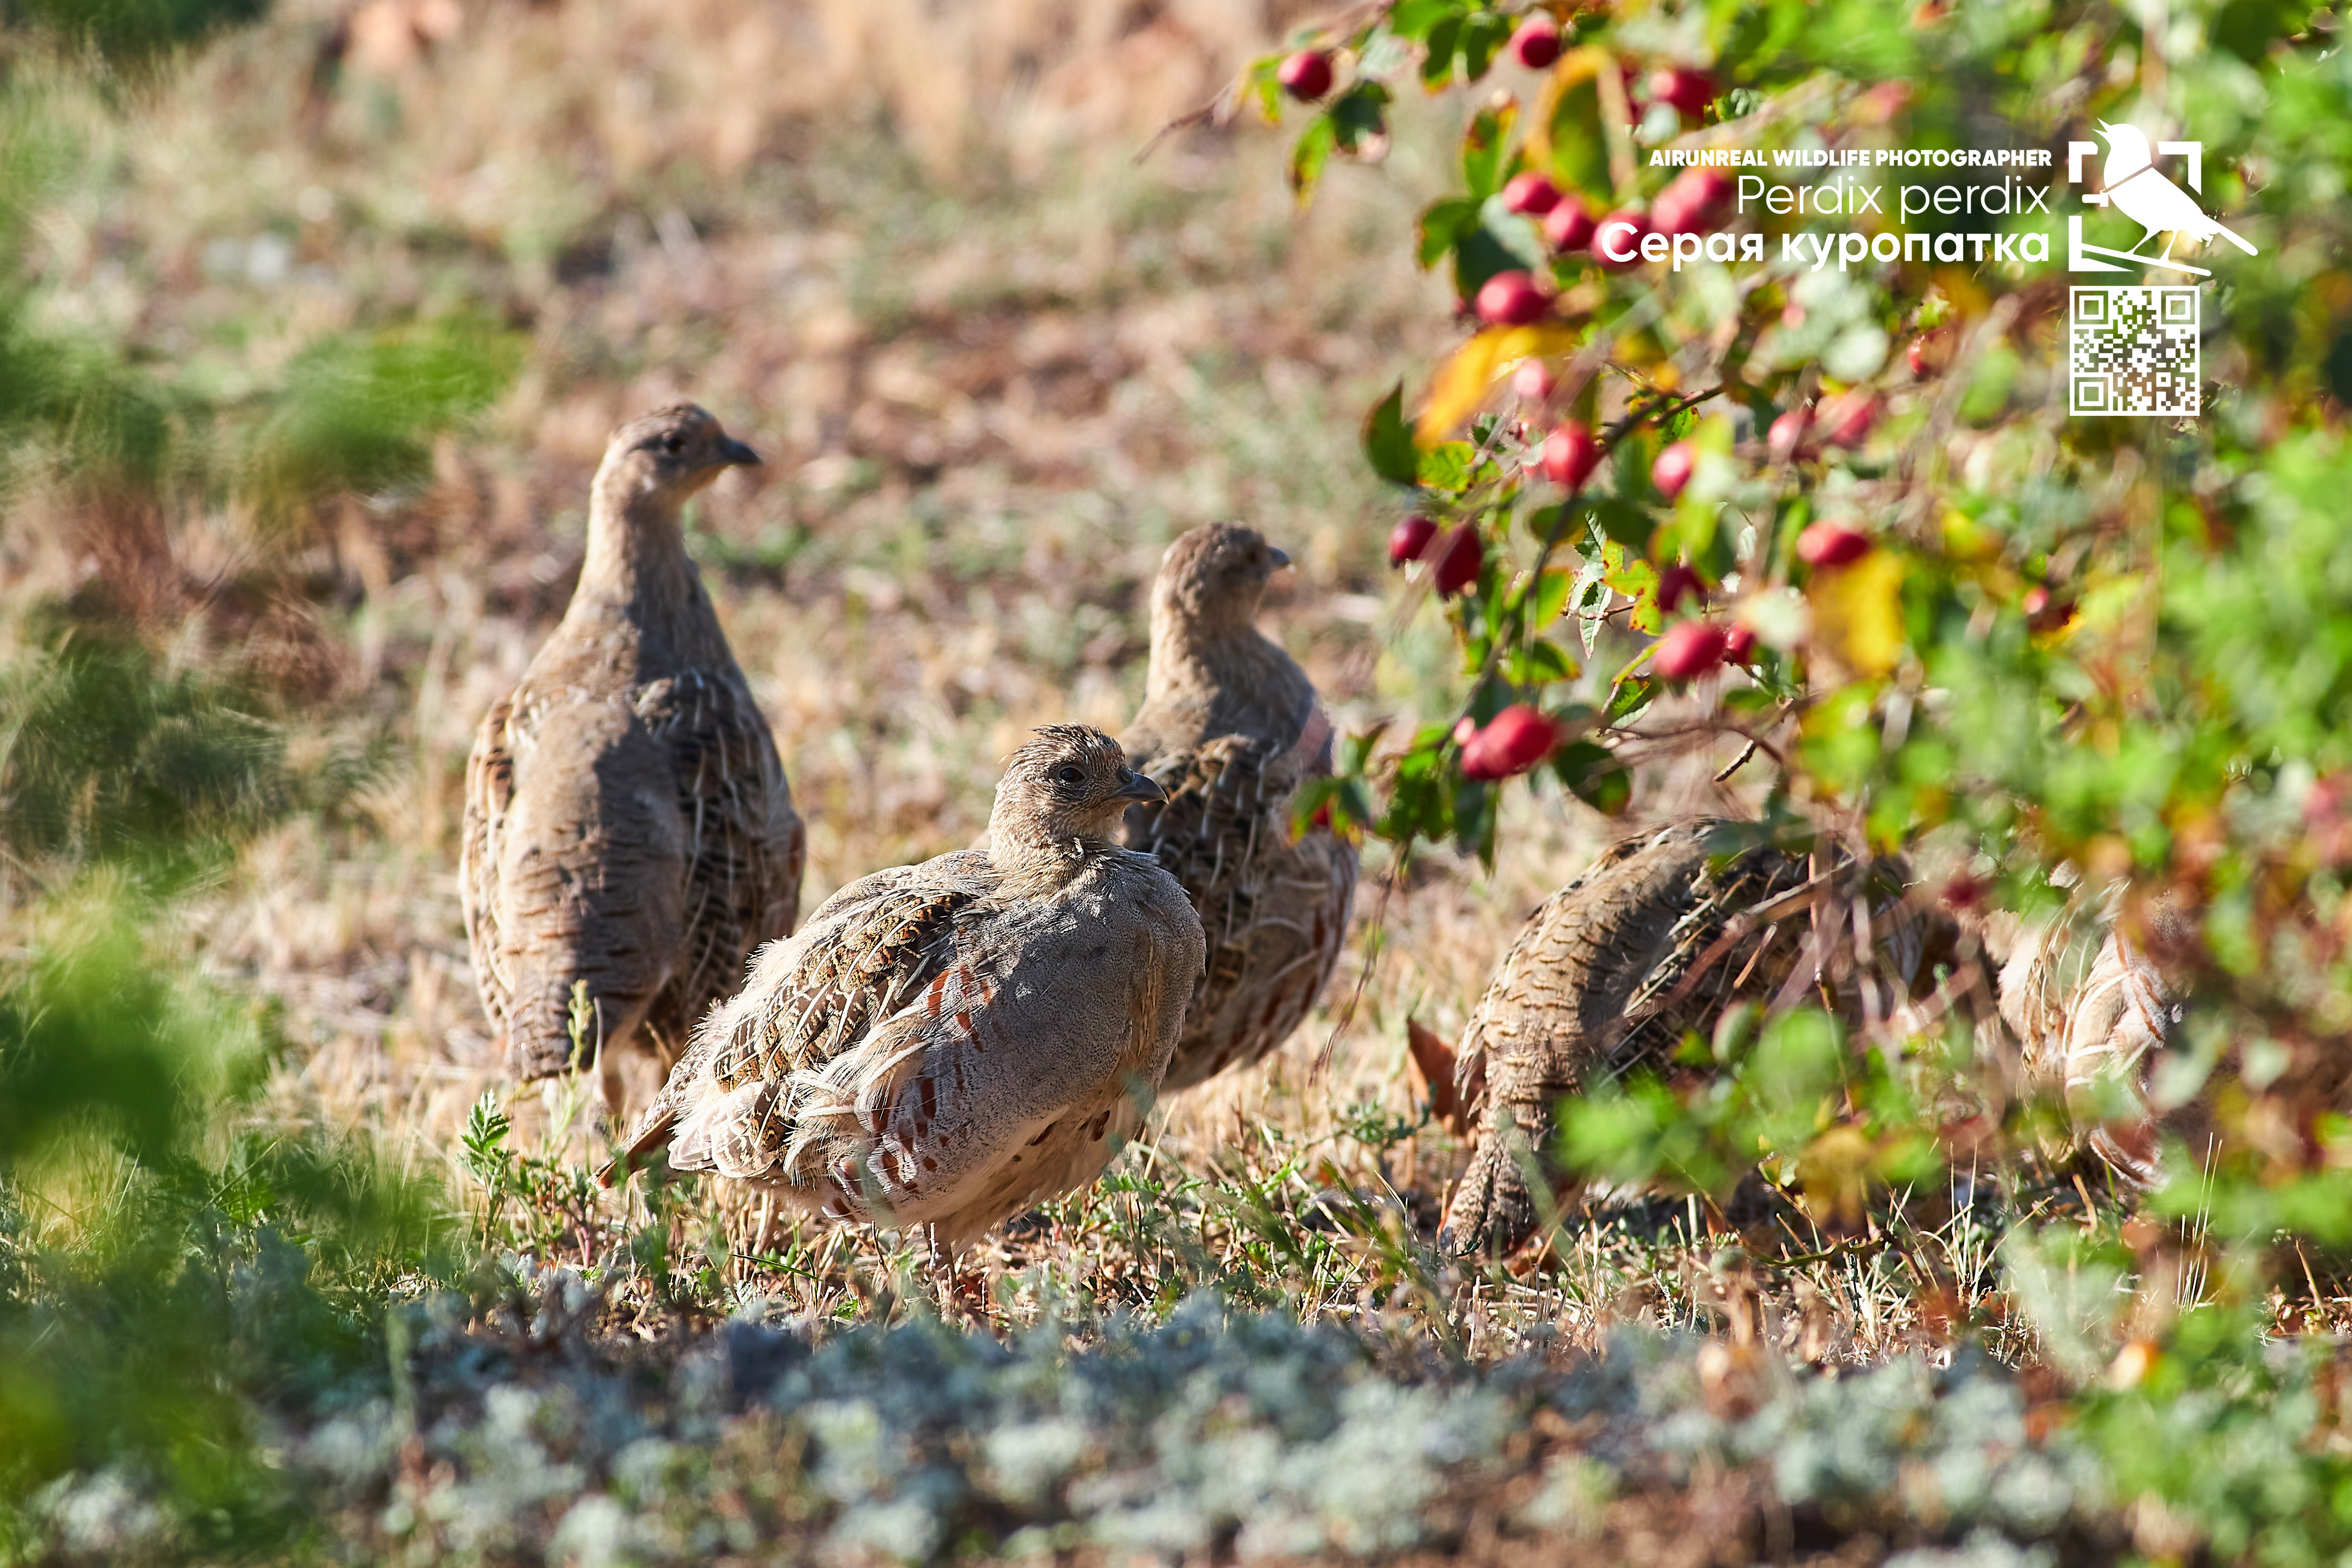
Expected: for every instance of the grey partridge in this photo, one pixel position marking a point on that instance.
(949, 1043)
(2094, 1013)
(1661, 932)
(1229, 728)
(629, 834)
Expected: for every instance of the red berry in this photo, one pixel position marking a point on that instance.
(1532, 381)
(1698, 199)
(1617, 239)
(1531, 193)
(1676, 583)
(1537, 43)
(2045, 610)
(1571, 453)
(1672, 470)
(1688, 650)
(1458, 560)
(1739, 646)
(1689, 90)
(1409, 540)
(1787, 435)
(1929, 352)
(1846, 419)
(1568, 226)
(1305, 75)
(1829, 545)
(1463, 729)
(1511, 299)
(1512, 741)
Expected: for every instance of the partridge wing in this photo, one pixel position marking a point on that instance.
(743, 842)
(489, 796)
(871, 949)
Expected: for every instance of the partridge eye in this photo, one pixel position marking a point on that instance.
(1070, 774)
(672, 443)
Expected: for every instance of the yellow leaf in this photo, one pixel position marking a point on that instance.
(1858, 612)
(1462, 383)
(1568, 138)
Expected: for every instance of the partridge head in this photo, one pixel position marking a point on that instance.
(1063, 792)
(662, 459)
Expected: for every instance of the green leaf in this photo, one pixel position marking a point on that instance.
(1540, 663)
(1388, 440)
(1444, 44)
(1483, 33)
(1359, 116)
(1552, 596)
(1416, 19)
(1474, 819)
(1628, 525)
(1447, 466)
(1574, 146)
(1631, 695)
(1441, 227)
(1514, 234)
(1316, 144)
(1637, 579)
(1592, 772)
(1486, 148)
(1263, 86)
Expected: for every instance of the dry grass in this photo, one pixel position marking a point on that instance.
(994, 366)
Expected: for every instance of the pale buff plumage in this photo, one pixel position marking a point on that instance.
(1229, 728)
(949, 1043)
(2092, 1013)
(629, 827)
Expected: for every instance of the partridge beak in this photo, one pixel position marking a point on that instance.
(1134, 786)
(736, 455)
(1281, 557)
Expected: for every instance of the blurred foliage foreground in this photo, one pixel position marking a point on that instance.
(224, 1339)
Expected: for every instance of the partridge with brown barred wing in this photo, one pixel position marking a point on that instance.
(1229, 728)
(629, 833)
(949, 1043)
(1659, 935)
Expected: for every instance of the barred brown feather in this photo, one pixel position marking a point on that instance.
(1654, 940)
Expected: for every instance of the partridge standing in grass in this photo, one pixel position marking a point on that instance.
(949, 1043)
(1229, 728)
(629, 833)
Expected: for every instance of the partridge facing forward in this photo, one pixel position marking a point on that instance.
(629, 827)
(949, 1043)
(1229, 728)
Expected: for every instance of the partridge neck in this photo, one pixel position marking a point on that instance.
(1237, 678)
(636, 553)
(1033, 862)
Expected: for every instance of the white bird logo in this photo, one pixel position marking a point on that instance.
(2134, 188)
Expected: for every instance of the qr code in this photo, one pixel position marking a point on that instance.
(2134, 350)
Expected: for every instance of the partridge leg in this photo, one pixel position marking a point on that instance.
(943, 1273)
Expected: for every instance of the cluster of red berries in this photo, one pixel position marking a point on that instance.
(1696, 201)
(1456, 556)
